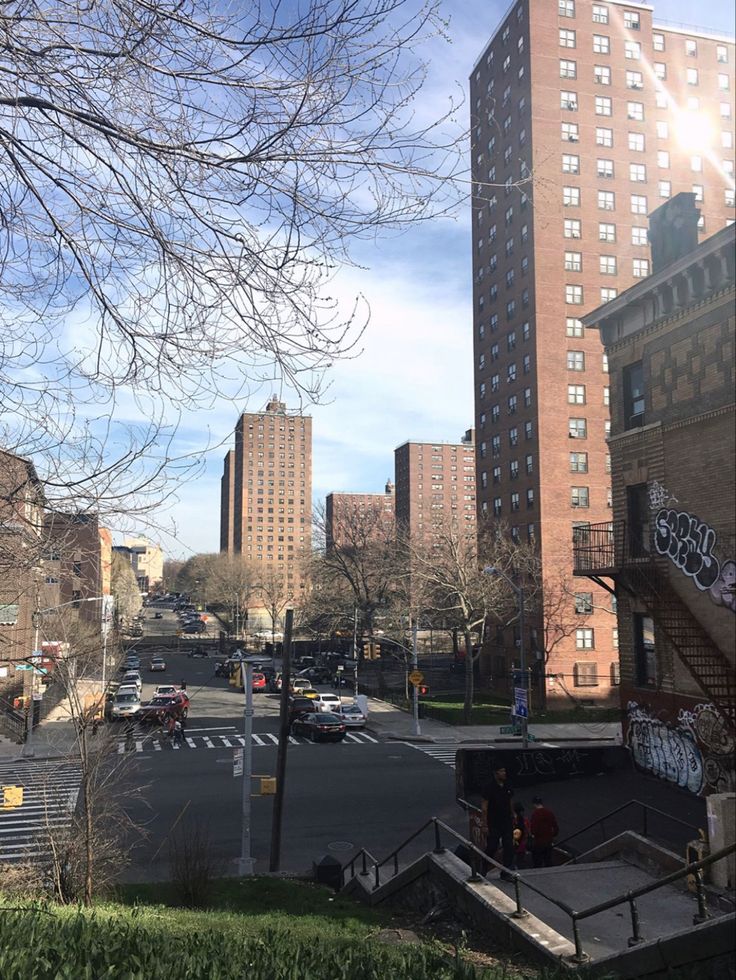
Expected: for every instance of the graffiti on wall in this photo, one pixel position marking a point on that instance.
(690, 543)
(695, 754)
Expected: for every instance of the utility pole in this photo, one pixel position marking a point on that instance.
(415, 666)
(355, 652)
(28, 751)
(278, 802)
(246, 863)
(522, 659)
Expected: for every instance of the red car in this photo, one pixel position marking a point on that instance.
(160, 709)
(259, 682)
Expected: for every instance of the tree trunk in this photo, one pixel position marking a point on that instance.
(468, 703)
(87, 804)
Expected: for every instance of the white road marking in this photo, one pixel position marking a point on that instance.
(226, 742)
(257, 740)
(191, 743)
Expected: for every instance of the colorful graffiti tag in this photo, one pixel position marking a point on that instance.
(696, 753)
(689, 543)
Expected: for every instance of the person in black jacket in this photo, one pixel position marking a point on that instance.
(501, 820)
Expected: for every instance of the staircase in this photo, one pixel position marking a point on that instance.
(707, 664)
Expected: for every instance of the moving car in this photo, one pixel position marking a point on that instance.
(299, 683)
(125, 704)
(158, 710)
(198, 651)
(299, 707)
(308, 692)
(352, 716)
(319, 726)
(196, 627)
(327, 702)
(157, 663)
(167, 690)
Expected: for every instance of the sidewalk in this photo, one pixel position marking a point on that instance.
(56, 735)
(389, 722)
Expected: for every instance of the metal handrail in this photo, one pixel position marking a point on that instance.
(695, 868)
(645, 807)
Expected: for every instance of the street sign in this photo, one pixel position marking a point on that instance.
(416, 677)
(12, 797)
(507, 730)
(37, 696)
(521, 702)
(24, 666)
(237, 762)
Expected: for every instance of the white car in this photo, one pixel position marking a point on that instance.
(165, 690)
(328, 702)
(132, 677)
(352, 716)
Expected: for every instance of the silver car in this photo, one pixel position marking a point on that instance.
(352, 716)
(125, 704)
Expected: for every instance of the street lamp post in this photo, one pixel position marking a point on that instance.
(246, 863)
(415, 666)
(519, 591)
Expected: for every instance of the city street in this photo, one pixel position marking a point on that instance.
(361, 792)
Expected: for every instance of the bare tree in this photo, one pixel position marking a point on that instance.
(124, 587)
(447, 570)
(275, 594)
(232, 582)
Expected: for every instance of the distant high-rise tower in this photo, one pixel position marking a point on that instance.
(266, 490)
(371, 514)
(605, 114)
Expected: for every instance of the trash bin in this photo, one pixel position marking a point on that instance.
(328, 871)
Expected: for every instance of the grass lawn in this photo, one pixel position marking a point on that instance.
(450, 710)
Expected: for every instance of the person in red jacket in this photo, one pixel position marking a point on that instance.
(543, 829)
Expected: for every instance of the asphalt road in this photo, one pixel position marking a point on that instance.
(338, 796)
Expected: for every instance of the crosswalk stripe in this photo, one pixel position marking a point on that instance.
(156, 746)
(50, 792)
(226, 742)
(261, 740)
(257, 740)
(351, 737)
(191, 743)
(273, 738)
(208, 741)
(176, 746)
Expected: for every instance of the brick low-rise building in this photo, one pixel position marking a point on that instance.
(373, 514)
(671, 547)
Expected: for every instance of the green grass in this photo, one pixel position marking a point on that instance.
(450, 710)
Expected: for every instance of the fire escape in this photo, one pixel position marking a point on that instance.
(611, 550)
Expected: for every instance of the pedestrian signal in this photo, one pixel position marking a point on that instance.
(423, 690)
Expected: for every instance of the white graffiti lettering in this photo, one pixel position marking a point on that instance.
(688, 543)
(669, 753)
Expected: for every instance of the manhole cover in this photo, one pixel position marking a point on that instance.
(340, 845)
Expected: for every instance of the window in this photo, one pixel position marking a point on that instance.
(606, 200)
(574, 295)
(638, 204)
(607, 265)
(513, 436)
(607, 402)
(579, 497)
(570, 164)
(658, 42)
(573, 327)
(725, 110)
(567, 38)
(645, 657)
(663, 132)
(583, 603)
(571, 197)
(511, 340)
(637, 172)
(631, 19)
(511, 309)
(8, 614)
(660, 98)
(585, 674)
(604, 168)
(636, 142)
(525, 333)
(600, 14)
(506, 63)
(527, 397)
(496, 446)
(693, 103)
(569, 101)
(529, 463)
(664, 188)
(632, 50)
(606, 232)
(578, 462)
(603, 106)
(726, 139)
(575, 360)
(515, 501)
(576, 394)
(663, 159)
(530, 499)
(572, 228)
(729, 197)
(691, 48)
(633, 382)
(495, 413)
(691, 76)
(660, 70)
(577, 428)
(514, 469)
(607, 294)
(604, 363)
(497, 506)
(603, 137)
(584, 638)
(569, 132)
(528, 431)
(568, 69)
(574, 261)
(511, 373)
(696, 164)
(601, 75)
(634, 79)
(635, 111)
(566, 8)
(601, 44)
(639, 236)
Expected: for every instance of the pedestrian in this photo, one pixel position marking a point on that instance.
(178, 733)
(521, 835)
(500, 818)
(543, 829)
(183, 685)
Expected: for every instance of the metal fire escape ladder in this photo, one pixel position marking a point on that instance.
(697, 651)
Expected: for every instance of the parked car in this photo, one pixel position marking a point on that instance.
(157, 664)
(125, 704)
(130, 663)
(196, 627)
(352, 716)
(198, 652)
(317, 675)
(299, 684)
(167, 690)
(298, 707)
(132, 677)
(327, 702)
(308, 692)
(319, 726)
(259, 682)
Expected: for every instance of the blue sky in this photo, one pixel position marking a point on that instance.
(413, 379)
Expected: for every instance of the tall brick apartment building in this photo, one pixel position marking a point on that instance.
(671, 547)
(585, 117)
(266, 491)
(370, 510)
(435, 481)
